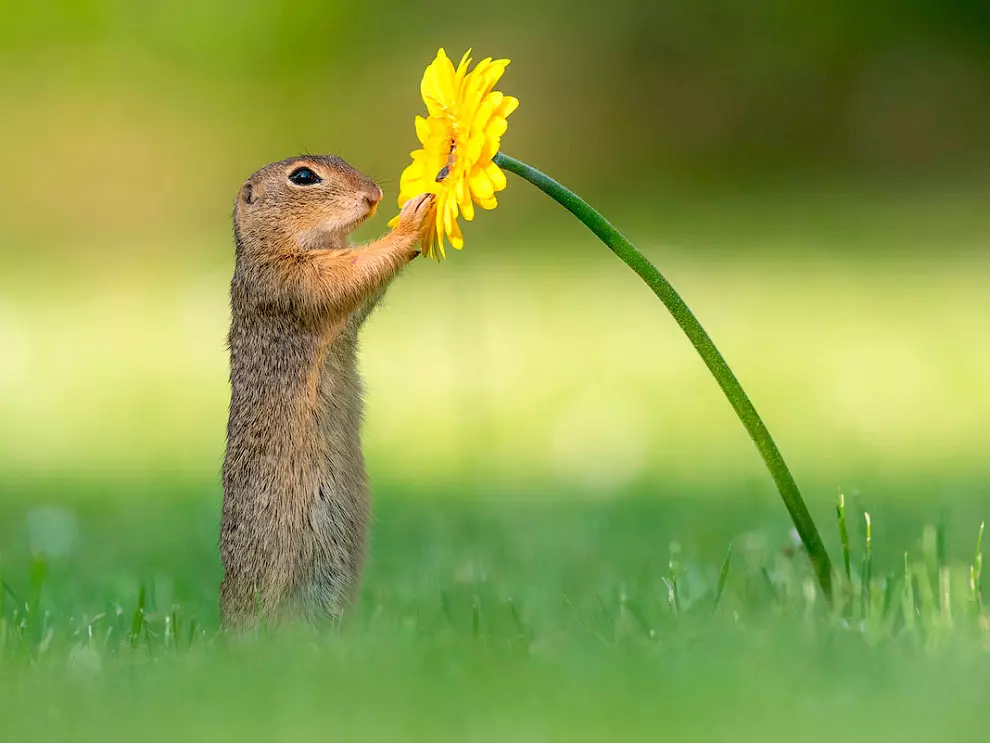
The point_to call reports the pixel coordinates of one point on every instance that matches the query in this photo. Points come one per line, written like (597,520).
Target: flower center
(451,160)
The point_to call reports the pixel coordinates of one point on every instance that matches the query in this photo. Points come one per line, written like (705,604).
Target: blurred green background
(813,179)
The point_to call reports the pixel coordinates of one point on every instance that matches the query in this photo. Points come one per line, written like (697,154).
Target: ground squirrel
(295,506)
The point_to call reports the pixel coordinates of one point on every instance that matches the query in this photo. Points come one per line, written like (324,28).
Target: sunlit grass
(481,621)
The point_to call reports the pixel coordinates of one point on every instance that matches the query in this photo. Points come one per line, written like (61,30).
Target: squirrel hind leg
(339,552)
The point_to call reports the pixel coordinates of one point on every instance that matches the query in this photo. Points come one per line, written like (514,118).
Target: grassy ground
(492,620)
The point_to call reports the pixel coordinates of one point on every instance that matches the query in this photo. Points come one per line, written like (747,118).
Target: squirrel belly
(293,531)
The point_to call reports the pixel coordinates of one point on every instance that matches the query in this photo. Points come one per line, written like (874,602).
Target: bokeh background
(813,179)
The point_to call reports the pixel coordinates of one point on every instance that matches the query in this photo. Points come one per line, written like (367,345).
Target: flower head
(459,138)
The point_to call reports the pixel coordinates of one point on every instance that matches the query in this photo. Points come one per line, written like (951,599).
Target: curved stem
(703,344)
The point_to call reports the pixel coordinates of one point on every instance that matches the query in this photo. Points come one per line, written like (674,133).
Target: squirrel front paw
(416,216)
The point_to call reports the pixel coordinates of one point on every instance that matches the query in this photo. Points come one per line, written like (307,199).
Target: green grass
(494,619)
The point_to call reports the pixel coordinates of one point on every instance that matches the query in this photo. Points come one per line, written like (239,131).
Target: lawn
(485,619)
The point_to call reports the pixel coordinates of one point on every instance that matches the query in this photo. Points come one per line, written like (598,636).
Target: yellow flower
(460,136)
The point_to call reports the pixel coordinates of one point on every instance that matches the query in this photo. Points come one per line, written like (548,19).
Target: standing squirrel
(296,500)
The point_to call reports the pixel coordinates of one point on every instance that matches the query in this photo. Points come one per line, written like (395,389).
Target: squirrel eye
(304,177)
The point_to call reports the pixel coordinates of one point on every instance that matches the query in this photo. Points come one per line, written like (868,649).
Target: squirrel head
(308,202)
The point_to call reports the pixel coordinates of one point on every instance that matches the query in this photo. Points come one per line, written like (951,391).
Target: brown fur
(296,501)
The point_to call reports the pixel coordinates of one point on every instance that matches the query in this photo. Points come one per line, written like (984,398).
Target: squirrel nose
(373,195)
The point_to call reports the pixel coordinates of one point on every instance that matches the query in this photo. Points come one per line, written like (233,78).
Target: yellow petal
(472,90)
(411,184)
(406,192)
(482,80)
(449,217)
(481,186)
(507,106)
(485,110)
(429,246)
(489,150)
(394,221)
(438,245)
(429,90)
(491,74)
(437,87)
(464,200)
(496,128)
(412,176)
(462,68)
(496,176)
(408,182)
(414,171)
(473,148)
(411,187)
(456,238)
(422,129)
(414,168)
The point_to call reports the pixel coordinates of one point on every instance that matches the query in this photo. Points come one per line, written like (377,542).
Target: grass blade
(840,512)
(941,552)
(137,623)
(723,576)
(175,628)
(3,619)
(976,571)
(39,572)
(867,573)
(4,586)
(908,602)
(673,568)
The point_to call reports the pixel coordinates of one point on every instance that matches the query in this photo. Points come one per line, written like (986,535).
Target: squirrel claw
(415,213)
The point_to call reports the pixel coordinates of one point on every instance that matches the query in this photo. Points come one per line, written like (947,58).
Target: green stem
(703,344)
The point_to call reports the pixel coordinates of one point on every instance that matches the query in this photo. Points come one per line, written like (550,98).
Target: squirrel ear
(248,195)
